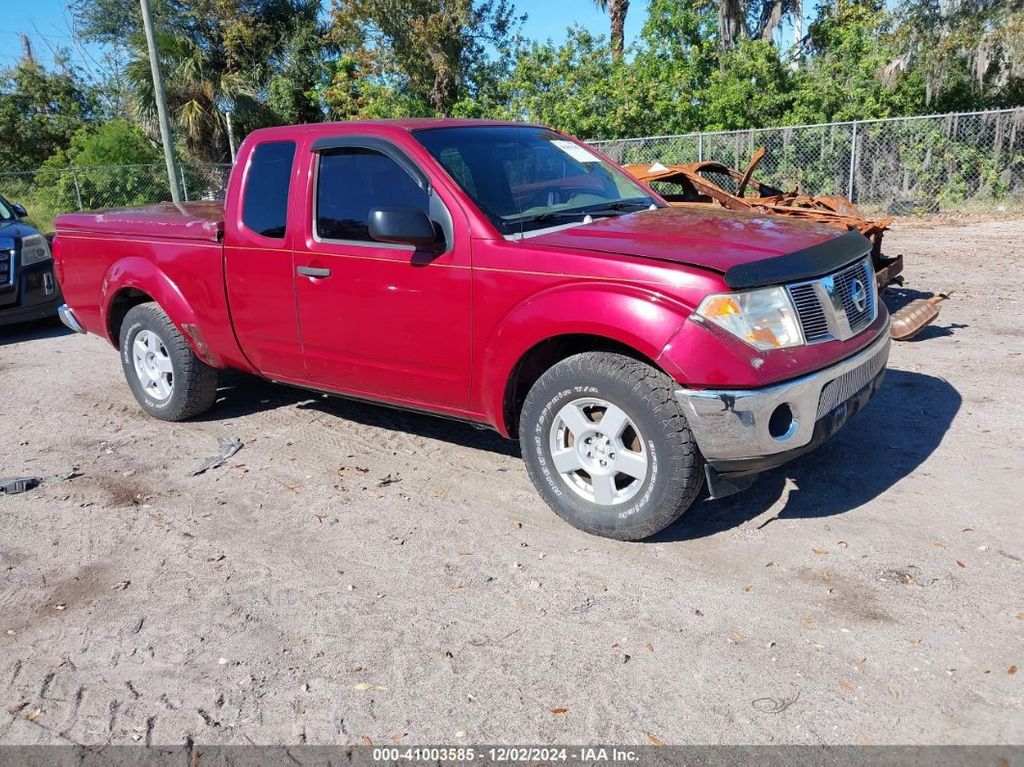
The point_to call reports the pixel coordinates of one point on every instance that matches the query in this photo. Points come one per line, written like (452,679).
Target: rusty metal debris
(695,184)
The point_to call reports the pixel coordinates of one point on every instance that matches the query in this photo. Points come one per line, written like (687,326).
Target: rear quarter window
(265,197)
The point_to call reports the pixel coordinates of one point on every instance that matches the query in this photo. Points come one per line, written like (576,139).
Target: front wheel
(607,446)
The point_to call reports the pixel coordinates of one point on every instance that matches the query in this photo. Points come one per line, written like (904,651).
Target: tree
(969,54)
(115,165)
(40,111)
(678,53)
(574,86)
(217,56)
(429,53)
(751,88)
(295,92)
(617,10)
(754,19)
(848,48)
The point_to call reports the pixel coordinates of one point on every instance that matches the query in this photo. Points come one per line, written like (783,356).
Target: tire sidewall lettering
(652,484)
(554,480)
(541,427)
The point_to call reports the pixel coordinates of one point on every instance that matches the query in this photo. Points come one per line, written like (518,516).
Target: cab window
(353,180)
(265,199)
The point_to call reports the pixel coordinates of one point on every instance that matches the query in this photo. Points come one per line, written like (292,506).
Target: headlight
(34,249)
(763,318)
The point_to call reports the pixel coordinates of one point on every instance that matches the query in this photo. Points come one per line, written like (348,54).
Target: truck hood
(186,221)
(710,238)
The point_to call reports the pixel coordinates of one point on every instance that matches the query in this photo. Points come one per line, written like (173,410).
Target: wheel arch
(120,304)
(567,320)
(544,355)
(134,280)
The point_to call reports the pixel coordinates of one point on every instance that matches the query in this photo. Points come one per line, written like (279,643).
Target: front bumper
(33,295)
(744,431)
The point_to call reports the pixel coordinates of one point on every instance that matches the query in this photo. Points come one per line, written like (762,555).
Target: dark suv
(28,289)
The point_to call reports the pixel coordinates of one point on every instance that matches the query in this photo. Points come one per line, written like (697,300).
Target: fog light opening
(782,424)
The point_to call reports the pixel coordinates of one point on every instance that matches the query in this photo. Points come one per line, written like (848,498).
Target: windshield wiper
(553,214)
(614,209)
(621,208)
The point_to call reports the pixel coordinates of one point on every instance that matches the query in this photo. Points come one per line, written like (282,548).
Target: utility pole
(231,136)
(161,102)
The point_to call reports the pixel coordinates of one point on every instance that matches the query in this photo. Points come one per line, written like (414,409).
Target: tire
(169,381)
(646,434)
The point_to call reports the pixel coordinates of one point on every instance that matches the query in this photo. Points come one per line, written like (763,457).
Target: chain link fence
(900,165)
(48,192)
(952,161)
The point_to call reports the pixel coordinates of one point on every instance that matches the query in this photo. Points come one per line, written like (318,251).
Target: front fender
(636,317)
(143,275)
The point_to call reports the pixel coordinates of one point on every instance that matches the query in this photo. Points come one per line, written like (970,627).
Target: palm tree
(199,87)
(208,72)
(617,10)
(738,19)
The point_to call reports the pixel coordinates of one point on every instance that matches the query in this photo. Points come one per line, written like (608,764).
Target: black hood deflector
(814,261)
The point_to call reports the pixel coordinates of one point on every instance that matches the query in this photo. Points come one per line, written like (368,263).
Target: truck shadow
(888,441)
(240,395)
(897,296)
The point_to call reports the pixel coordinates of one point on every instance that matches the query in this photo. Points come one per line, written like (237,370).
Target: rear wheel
(164,374)
(608,447)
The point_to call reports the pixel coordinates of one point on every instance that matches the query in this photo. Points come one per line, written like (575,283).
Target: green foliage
(110,165)
(850,45)
(677,80)
(40,111)
(573,86)
(696,65)
(254,58)
(38,200)
(427,55)
(117,142)
(752,87)
(965,55)
(294,91)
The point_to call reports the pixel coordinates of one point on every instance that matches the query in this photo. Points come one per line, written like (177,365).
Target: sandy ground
(358,572)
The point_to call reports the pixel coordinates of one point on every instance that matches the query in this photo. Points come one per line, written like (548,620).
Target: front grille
(848,384)
(810,312)
(837,306)
(845,282)
(6,267)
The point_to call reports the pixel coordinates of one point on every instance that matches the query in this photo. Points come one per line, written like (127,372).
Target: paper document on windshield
(575,151)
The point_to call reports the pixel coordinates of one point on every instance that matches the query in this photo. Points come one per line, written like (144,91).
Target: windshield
(5,210)
(525,178)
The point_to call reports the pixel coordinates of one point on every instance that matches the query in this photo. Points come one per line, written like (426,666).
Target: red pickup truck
(502,274)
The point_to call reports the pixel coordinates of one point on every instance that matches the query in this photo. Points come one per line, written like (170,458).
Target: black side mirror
(405,225)
(19,210)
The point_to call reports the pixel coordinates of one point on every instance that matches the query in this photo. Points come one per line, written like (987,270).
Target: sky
(550,18)
(48,24)
(37,19)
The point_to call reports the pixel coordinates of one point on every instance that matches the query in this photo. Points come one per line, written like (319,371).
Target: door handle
(313,271)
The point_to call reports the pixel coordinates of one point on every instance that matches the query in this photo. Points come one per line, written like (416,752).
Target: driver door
(381,320)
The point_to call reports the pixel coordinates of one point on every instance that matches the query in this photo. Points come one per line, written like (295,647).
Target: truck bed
(108,260)
(184,221)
